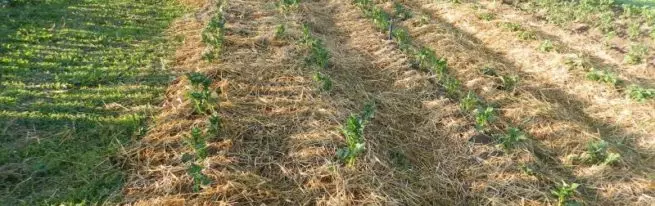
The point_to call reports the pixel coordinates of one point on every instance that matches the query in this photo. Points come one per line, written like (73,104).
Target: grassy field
(78,81)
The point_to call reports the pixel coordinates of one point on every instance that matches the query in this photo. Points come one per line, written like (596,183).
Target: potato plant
(353,131)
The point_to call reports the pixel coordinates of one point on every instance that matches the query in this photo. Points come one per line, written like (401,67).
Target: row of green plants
(635,55)
(214,34)
(609,16)
(318,58)
(483,114)
(632,91)
(204,100)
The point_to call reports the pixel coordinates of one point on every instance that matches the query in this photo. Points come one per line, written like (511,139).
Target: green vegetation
(546,46)
(511,26)
(214,34)
(77,79)
(509,82)
(607,15)
(287,5)
(639,93)
(483,117)
(513,137)
(602,76)
(564,193)
(197,142)
(486,16)
(203,99)
(325,81)
(400,12)
(280,31)
(353,131)
(469,102)
(636,54)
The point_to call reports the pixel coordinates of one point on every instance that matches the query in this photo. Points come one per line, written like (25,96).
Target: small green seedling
(215,124)
(636,54)
(280,31)
(401,13)
(287,5)
(198,143)
(381,19)
(489,71)
(602,76)
(403,38)
(452,86)
(509,82)
(483,117)
(527,35)
(200,94)
(510,26)
(634,30)
(199,179)
(546,46)
(486,16)
(469,102)
(597,152)
(640,94)
(564,193)
(324,80)
(513,137)
(214,35)
(354,134)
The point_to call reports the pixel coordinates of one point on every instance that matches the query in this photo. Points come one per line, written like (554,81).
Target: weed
(510,26)
(486,16)
(424,20)
(546,46)
(326,82)
(469,102)
(452,86)
(280,31)
(401,13)
(489,71)
(483,117)
(528,170)
(403,38)
(353,132)
(636,54)
(602,76)
(287,5)
(509,82)
(640,94)
(597,152)
(564,192)
(527,35)
(512,138)
(634,30)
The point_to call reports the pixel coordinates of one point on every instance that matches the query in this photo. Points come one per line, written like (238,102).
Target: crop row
(473,106)
(205,101)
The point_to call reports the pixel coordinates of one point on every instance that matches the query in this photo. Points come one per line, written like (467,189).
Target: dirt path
(281,133)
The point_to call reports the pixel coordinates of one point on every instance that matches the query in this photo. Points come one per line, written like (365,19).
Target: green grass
(76,81)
